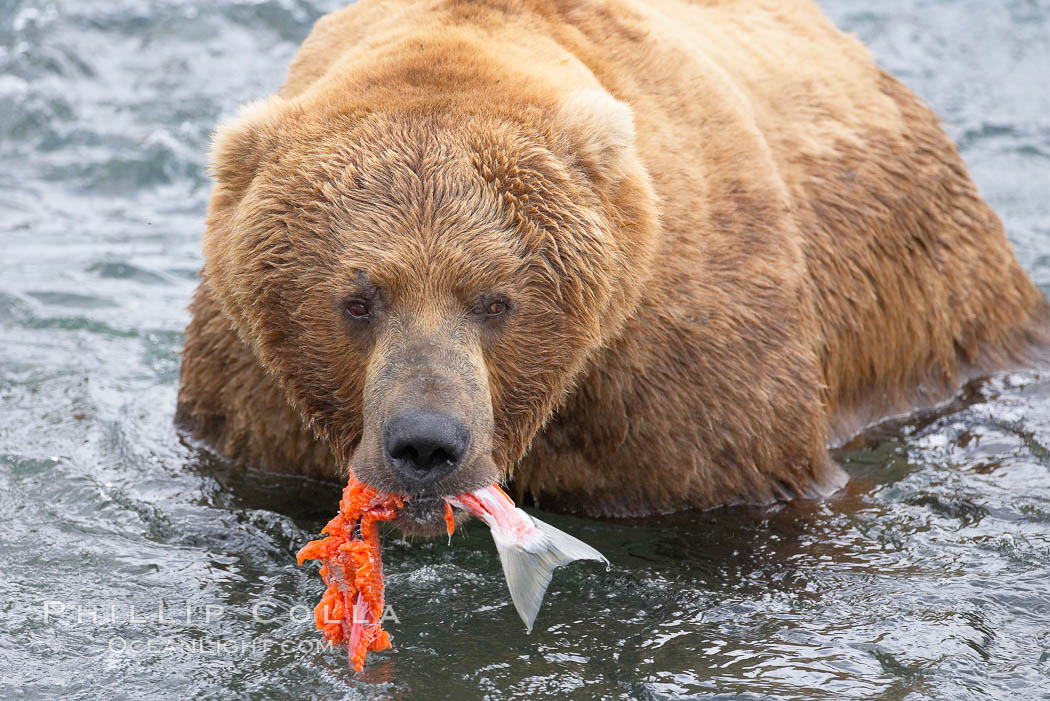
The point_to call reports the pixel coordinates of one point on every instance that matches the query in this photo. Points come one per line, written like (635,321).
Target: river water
(136,565)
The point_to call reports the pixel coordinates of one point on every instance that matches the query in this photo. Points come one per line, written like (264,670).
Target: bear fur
(729,241)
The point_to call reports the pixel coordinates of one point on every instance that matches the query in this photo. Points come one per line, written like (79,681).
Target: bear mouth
(422,516)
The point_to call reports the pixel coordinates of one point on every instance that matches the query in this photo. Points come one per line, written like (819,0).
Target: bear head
(425,281)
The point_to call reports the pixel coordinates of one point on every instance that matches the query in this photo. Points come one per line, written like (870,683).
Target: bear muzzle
(427,423)
(424,447)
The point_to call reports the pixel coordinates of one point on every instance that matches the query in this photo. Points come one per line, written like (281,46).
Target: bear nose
(424,447)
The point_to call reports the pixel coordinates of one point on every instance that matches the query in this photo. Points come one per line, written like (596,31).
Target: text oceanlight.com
(201,646)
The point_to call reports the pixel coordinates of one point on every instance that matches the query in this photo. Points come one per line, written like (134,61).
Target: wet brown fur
(785,248)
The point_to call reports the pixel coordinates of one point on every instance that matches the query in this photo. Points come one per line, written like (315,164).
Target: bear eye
(490,308)
(357,309)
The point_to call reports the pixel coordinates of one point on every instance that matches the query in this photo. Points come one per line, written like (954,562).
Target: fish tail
(528,569)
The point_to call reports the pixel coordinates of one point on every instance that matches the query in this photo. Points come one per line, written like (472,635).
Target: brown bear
(629,256)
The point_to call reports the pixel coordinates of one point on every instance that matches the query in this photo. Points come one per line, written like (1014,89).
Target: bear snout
(424,447)
(427,421)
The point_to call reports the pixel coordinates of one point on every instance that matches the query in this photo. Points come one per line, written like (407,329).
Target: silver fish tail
(528,566)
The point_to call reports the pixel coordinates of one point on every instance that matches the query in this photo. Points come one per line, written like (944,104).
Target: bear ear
(597,130)
(240,145)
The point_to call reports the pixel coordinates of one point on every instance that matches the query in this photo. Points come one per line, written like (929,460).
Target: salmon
(351,609)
